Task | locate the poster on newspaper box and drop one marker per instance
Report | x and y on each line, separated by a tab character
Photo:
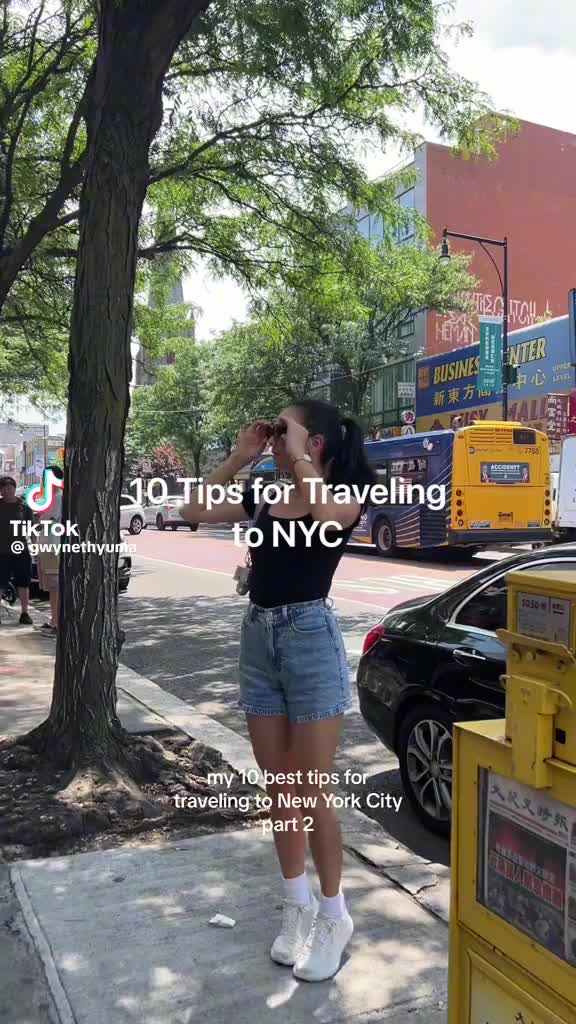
527	862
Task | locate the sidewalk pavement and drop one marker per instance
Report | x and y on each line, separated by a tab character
123	935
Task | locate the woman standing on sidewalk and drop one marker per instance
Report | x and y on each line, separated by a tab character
294	684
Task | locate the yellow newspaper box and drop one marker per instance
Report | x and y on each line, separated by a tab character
513	912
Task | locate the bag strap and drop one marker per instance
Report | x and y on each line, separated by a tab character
253	521
257	512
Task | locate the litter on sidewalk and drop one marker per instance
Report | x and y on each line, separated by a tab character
221	921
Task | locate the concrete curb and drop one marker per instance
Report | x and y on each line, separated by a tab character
42	947
428	884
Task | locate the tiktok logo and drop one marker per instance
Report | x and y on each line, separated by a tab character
39	497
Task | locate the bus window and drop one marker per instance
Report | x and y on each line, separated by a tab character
410	471
382	472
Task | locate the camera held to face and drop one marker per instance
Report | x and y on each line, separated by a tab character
276	430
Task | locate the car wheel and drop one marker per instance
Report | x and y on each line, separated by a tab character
193	527
425	755
136	524
173	526
160	522
384	538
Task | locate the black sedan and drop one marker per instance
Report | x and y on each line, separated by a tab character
435	661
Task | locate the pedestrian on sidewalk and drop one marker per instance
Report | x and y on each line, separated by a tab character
15	565
294	684
49	554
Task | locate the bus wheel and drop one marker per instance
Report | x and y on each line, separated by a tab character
384	538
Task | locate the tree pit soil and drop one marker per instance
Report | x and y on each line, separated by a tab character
42	816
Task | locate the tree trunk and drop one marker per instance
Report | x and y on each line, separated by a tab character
137	39
197	458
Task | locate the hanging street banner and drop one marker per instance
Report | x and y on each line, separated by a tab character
558	416
490	367
447	384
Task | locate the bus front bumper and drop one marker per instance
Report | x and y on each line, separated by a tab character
483	537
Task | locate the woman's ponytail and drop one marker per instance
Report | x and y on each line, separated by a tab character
350	465
343	442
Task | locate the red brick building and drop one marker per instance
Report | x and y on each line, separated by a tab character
528	194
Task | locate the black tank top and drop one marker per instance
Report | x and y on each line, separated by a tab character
283	573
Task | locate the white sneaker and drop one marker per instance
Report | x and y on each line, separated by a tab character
320	958
297	921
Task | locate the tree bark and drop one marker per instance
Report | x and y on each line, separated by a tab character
137	39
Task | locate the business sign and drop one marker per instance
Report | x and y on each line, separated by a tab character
572	320
490	361
558	416
572	413
449	384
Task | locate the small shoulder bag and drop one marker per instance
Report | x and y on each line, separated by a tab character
242	572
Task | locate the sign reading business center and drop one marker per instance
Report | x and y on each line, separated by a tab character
450	384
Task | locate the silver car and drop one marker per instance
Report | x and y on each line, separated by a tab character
132	515
167	513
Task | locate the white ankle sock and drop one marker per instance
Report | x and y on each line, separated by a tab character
332	906
297	890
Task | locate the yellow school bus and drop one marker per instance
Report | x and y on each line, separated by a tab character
501	489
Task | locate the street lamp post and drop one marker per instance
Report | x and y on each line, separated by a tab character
503	278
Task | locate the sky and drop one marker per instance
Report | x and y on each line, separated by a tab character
523	54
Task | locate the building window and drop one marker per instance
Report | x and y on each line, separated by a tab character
406	203
406	329
376	228
364	226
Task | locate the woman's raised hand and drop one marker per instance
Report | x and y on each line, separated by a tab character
252	440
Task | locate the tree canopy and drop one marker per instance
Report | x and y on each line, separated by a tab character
257	150
337	324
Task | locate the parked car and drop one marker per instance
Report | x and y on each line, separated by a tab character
167	514
132	515
433	661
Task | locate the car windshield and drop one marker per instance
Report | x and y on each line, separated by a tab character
444	607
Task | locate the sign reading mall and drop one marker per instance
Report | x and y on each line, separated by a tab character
448	385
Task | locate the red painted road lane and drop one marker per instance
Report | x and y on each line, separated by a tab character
361	578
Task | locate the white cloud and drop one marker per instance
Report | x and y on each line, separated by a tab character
520	23
218	301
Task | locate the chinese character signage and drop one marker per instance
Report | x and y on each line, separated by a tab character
452	383
558	415
490	364
527	862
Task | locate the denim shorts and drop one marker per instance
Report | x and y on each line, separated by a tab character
293	663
